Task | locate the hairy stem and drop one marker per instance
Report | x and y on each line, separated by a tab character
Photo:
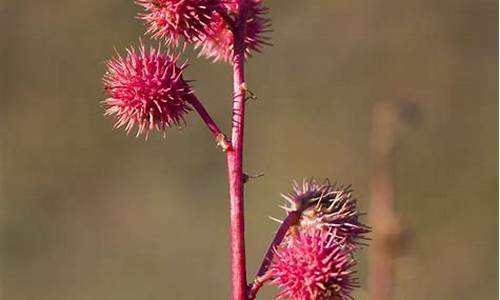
235	161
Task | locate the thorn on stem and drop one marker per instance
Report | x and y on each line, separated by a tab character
250	96
247	177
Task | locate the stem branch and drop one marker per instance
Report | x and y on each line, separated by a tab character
263	273
291	219
220	137
257	284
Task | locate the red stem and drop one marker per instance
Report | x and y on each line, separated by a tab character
263	274
205	116
235	161
212	126
291	219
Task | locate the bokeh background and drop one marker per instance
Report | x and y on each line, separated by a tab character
89	213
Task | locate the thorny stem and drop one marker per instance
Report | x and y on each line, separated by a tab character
235	160
220	137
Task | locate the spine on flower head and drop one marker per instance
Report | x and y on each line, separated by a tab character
146	88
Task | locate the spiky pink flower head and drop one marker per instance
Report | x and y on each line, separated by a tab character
218	43
146	89
173	20
331	206
310	265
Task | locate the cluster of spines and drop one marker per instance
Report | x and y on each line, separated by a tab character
205	24
218	43
138	91
174	20
330	206
311	265
146	88
328	232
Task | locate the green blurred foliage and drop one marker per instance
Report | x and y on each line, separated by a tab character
89	213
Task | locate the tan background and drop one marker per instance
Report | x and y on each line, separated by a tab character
89	213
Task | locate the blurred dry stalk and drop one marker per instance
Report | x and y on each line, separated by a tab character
387	229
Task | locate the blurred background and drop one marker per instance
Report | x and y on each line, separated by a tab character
89	213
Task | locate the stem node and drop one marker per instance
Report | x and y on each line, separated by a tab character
223	142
